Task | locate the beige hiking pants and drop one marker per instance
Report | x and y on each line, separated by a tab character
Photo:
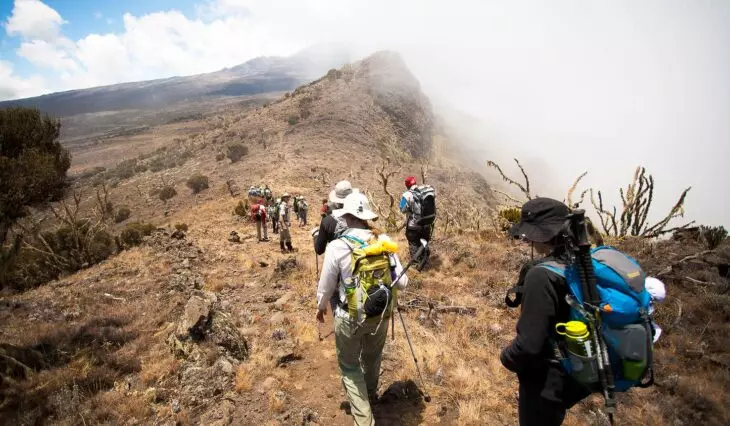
259	225
359	353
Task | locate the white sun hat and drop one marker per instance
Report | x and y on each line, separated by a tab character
342	190
356	204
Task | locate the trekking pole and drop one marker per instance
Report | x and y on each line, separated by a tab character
426	397
591	301
316	262
424	243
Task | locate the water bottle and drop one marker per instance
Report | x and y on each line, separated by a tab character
351	296
582	356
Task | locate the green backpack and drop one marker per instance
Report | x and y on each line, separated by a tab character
368	290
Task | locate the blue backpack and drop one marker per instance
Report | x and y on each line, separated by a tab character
624	314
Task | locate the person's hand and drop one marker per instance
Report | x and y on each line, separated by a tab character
320	315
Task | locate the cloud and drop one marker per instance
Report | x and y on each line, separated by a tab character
47	55
33	19
98	15
12	86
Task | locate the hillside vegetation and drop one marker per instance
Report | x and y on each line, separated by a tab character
191	321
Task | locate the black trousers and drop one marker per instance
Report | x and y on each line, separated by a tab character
414	237
534	410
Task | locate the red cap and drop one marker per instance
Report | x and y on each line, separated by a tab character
410	181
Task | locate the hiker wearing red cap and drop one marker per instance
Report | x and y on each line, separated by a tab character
419	203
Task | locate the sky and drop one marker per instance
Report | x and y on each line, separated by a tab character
566	85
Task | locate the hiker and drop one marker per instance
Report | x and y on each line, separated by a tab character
419	204
258	215
295	206
303	210
359	345
273	213
331	227
325	209
545	391
285	225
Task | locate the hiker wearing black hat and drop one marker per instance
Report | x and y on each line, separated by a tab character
545	391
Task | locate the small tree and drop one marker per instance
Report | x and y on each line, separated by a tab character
197	183
166	193
236	151
33	166
636	201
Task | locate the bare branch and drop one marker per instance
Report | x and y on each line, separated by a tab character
524	189
572	189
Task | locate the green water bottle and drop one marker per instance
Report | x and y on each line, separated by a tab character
581	353
351	296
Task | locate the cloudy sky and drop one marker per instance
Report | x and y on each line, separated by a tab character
565	85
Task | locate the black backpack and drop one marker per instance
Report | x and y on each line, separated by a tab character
424	208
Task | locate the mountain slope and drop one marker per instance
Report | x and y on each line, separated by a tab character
259	75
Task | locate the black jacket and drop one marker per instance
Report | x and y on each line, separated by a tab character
326	234
531	354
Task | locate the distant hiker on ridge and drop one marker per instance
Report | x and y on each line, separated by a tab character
419	204
359	337
285	224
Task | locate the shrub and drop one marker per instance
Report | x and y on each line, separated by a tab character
197	183
125	169
220	156
181	227
132	234
140	168
167	193
509	216
236	151
713	236
157	164
292	120
122	214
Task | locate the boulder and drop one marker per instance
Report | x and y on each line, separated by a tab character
196	316
234	237
226	335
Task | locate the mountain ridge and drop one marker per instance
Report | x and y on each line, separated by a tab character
259	75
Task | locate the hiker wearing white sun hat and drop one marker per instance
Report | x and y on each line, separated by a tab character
359	345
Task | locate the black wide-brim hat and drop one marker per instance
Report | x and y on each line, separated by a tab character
541	220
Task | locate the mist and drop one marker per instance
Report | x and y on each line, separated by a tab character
572	86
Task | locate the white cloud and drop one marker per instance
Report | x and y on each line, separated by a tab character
33	19
98	15
47	55
13	87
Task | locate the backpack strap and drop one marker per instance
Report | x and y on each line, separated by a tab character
553	266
